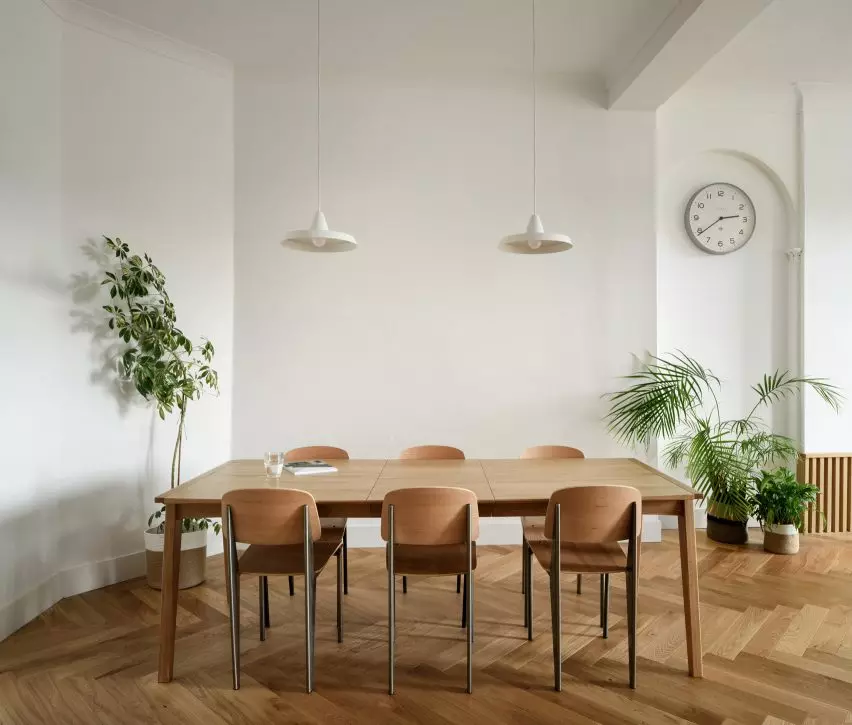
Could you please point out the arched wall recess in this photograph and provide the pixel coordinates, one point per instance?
(739, 313)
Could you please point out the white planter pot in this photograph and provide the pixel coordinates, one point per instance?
(781, 539)
(193, 558)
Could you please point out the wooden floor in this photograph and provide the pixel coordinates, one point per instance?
(777, 636)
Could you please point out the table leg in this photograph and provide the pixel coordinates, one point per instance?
(689, 575)
(168, 609)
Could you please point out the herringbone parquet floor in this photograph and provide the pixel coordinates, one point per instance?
(777, 639)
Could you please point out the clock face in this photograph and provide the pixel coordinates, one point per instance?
(720, 218)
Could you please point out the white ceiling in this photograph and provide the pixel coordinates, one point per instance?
(578, 37)
(792, 41)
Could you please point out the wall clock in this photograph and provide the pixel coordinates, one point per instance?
(719, 218)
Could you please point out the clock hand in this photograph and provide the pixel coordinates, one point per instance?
(721, 218)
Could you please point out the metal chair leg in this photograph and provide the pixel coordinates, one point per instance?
(266, 602)
(605, 606)
(404, 584)
(579, 583)
(233, 601)
(524, 583)
(292, 586)
(309, 638)
(261, 606)
(345, 563)
(458, 583)
(601, 604)
(632, 596)
(391, 603)
(555, 598)
(464, 604)
(341, 579)
(468, 596)
(529, 594)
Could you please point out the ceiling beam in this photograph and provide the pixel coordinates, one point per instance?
(692, 33)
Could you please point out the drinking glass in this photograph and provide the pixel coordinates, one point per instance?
(274, 463)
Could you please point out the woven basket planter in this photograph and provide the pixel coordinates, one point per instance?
(193, 558)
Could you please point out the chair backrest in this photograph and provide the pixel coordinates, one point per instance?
(311, 453)
(595, 514)
(270, 516)
(430, 516)
(552, 452)
(432, 453)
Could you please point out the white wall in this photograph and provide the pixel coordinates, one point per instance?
(137, 143)
(827, 217)
(427, 333)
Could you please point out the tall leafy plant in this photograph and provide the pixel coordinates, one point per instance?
(160, 361)
(676, 398)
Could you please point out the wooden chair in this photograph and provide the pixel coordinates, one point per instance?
(430, 531)
(431, 453)
(325, 453)
(584, 526)
(533, 526)
(282, 528)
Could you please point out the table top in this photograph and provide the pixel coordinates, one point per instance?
(493, 481)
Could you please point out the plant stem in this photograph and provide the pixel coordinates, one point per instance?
(177, 452)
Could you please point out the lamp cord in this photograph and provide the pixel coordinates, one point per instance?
(319, 111)
(535, 124)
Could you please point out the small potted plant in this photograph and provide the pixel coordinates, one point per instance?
(779, 503)
(169, 370)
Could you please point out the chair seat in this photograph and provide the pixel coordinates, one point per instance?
(289, 559)
(426, 560)
(582, 558)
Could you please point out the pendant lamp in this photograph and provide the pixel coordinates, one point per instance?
(535, 240)
(319, 238)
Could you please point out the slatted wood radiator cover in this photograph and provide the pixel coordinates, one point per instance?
(832, 474)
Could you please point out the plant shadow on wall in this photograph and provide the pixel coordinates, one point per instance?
(676, 398)
(152, 357)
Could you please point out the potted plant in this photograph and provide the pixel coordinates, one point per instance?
(779, 503)
(166, 368)
(676, 398)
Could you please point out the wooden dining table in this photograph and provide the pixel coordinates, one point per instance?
(511, 487)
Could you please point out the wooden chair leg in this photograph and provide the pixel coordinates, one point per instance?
(292, 586)
(404, 584)
(579, 583)
(458, 583)
(345, 563)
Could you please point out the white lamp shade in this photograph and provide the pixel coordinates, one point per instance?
(535, 240)
(319, 238)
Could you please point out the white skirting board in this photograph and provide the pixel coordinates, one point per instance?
(364, 533)
(67, 583)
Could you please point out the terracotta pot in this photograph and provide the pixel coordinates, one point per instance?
(193, 558)
(726, 531)
(781, 539)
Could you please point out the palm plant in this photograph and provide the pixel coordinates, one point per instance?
(676, 398)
